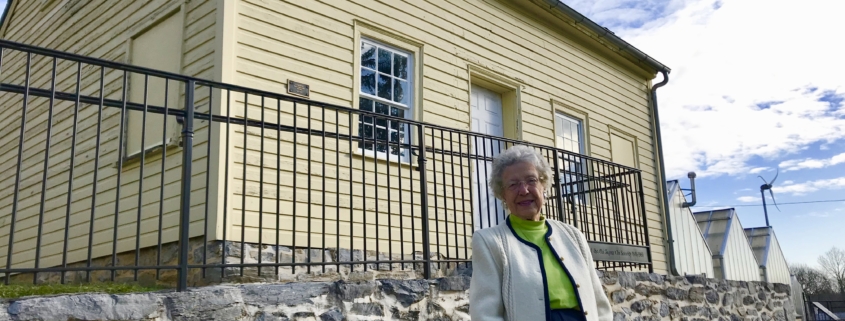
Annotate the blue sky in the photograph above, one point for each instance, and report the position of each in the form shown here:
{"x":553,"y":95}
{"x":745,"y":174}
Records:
{"x":756,"y":85}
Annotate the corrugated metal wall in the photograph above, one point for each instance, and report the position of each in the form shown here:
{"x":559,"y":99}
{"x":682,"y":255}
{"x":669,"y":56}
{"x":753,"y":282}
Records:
{"x":777,"y":269}
{"x":726,"y":238}
{"x":774,"y":268}
{"x":692,"y":256}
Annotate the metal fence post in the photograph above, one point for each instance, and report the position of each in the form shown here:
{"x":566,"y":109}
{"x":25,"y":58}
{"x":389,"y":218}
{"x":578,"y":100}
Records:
{"x":421,"y":160}
{"x":185,"y":197}
{"x":645,"y":219}
{"x":558,"y":189}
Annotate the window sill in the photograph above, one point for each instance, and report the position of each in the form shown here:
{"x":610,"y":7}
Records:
{"x":150,"y":151}
{"x":381,"y":158}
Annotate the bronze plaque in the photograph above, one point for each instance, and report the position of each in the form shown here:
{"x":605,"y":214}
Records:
{"x":618,"y":252}
{"x":298,"y":88}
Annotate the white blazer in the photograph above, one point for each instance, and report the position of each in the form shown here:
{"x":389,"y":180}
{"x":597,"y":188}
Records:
{"x":507,"y":279}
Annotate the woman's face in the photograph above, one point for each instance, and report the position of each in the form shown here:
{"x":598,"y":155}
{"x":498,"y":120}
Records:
{"x":523,"y":192}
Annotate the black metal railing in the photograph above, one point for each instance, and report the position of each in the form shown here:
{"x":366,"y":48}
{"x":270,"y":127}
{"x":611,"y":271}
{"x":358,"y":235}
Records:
{"x":824,"y":307}
{"x":116,"y":172}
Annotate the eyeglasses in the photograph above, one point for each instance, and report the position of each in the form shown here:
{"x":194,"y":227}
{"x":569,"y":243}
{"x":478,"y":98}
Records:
{"x":530,"y":183}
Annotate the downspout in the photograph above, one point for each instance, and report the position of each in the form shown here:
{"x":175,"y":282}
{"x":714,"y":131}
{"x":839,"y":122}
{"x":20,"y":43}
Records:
{"x":670,"y":241}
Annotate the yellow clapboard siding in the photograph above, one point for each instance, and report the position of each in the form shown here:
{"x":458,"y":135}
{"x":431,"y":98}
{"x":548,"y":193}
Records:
{"x":99,"y":31}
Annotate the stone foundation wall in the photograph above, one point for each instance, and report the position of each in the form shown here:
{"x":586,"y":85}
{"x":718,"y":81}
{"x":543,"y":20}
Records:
{"x":644,"y":296}
{"x":363,"y":296}
{"x":248,"y":253}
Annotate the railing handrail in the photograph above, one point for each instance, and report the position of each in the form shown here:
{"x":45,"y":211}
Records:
{"x":588,"y":178}
{"x":246,"y":90}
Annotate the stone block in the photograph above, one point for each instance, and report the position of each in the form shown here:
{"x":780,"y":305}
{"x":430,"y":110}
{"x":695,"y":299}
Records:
{"x":454,"y":283}
{"x":712,"y":296}
{"x":696,"y":294}
{"x":367,"y":309}
{"x":87,"y":307}
{"x":676,"y":293}
{"x":646,"y":290}
{"x":618,"y":296}
{"x":690,"y":310}
{"x":728,"y":300}
{"x":664,"y":309}
{"x":781,"y":288}
{"x":291,"y":294}
{"x":696,"y":279}
{"x":407,"y":292}
{"x":218,"y":302}
{"x":610,"y":277}
{"x":348,"y":292}
{"x":641,"y":305}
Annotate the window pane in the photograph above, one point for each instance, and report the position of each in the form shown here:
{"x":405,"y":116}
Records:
{"x":381,"y":137}
{"x":385,"y":58}
{"x":400,"y":87}
{"x":368,"y":55}
{"x":366,"y":104}
{"x":384,"y":86}
{"x":382,"y":109}
{"x":400,"y":66}
{"x":368,"y":81}
{"x":381,"y":134}
{"x":567,"y":129}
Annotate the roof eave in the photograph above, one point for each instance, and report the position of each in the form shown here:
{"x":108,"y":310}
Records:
{"x":606,"y":34}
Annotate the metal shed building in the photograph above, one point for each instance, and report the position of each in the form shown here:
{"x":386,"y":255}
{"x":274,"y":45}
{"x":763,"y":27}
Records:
{"x":692,"y":255}
{"x":733,"y":258}
{"x":773,"y":266}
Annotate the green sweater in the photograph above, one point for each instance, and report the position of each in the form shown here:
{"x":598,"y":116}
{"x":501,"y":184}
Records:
{"x":561,"y":292}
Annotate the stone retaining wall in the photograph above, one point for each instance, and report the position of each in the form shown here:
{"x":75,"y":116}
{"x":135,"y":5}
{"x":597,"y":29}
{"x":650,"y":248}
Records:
{"x":248,"y":253}
{"x":635,"y":296}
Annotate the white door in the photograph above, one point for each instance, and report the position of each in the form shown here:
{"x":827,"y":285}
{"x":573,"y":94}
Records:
{"x":486,"y":112}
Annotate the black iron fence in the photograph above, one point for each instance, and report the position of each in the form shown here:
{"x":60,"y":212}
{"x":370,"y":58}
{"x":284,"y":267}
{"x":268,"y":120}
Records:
{"x":114,"y":172}
{"x":824,"y":307}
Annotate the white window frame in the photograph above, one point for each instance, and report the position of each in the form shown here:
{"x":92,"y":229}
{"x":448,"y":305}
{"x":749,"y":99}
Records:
{"x":407,"y":108}
{"x":580,"y":166}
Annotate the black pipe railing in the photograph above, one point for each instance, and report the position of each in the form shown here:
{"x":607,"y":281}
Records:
{"x":303,"y":184}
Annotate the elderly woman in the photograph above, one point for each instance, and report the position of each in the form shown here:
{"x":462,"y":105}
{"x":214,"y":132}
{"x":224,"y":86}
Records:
{"x":529,"y":267}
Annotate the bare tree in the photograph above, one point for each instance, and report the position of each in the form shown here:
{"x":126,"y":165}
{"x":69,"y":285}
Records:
{"x":833,"y":263}
{"x":813,"y":280}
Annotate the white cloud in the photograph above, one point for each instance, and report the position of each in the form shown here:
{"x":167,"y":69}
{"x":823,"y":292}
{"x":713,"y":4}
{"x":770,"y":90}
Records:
{"x":814,"y":214}
{"x":743,"y":190}
{"x":758,"y":170}
{"x":730,"y":59}
{"x":788,"y":182}
{"x":811,"y":186}
{"x":748,"y":199}
{"x":811,"y":163}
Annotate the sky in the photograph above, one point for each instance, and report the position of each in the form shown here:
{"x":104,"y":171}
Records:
{"x":757,"y":88}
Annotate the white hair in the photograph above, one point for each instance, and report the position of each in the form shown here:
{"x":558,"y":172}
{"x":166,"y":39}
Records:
{"x":515,"y":155}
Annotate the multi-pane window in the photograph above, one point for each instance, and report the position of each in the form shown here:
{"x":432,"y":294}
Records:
{"x":386,"y":87}
{"x":570,"y":137}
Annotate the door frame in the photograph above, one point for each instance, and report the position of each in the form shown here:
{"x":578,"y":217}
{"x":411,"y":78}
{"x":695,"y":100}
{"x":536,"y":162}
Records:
{"x":508,"y":87}
{"x":510,"y":90}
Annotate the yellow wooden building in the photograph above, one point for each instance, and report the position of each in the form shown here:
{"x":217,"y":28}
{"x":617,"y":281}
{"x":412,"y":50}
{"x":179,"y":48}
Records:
{"x":527,"y":70}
